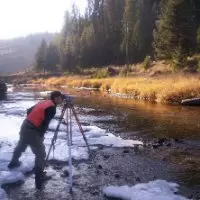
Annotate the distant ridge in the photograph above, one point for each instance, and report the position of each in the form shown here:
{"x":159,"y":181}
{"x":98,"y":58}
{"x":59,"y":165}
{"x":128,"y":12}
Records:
{"x":18,"y":54}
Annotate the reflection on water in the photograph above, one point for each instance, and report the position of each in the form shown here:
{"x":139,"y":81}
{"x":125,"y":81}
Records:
{"x":152,"y":119}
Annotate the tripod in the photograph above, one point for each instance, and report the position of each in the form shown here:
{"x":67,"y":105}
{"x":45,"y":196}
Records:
{"x":68,"y":108}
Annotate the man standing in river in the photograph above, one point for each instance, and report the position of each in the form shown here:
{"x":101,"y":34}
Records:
{"x":32,"y":134}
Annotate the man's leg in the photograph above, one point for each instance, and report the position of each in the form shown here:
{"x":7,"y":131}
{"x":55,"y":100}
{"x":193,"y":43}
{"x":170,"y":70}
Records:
{"x":38,"y":149}
{"x":19,"y":149}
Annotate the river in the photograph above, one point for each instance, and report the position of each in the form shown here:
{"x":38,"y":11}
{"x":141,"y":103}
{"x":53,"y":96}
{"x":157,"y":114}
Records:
{"x":170,"y":150}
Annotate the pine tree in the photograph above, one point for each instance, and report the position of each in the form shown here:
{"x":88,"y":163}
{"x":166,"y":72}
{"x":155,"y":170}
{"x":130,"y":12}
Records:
{"x":52,"y":58}
{"x":198,"y":39}
{"x":129,"y":23}
{"x":138,"y":25}
{"x":126,"y":31}
{"x":86,"y":47}
{"x":40,"y":57}
{"x":175,"y":34}
{"x":113,"y":22}
{"x":70,"y":41}
{"x":145,"y":27}
{"x":197,"y":13}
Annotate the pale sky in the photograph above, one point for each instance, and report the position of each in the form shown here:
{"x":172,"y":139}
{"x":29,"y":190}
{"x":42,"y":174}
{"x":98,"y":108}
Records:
{"x":23,"y":17}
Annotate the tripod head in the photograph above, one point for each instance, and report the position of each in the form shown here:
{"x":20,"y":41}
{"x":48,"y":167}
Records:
{"x":67,"y":101}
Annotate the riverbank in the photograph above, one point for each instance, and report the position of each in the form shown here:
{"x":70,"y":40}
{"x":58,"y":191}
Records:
{"x":170,"y":89}
{"x":158,"y":83}
{"x":116,"y":167}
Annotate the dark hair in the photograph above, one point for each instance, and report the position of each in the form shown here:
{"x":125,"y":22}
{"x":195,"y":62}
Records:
{"x":55,"y":94}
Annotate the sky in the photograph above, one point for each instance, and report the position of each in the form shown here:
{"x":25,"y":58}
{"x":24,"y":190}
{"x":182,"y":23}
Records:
{"x":24,"y":17}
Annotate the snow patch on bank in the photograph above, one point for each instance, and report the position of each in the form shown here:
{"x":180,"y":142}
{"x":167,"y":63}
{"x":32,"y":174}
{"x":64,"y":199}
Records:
{"x":154,"y":190}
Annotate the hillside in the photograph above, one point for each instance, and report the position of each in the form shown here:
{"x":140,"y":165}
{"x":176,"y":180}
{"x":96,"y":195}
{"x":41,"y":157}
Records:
{"x":18,"y":54}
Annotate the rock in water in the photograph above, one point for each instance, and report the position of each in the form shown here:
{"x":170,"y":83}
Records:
{"x":65,"y":173}
{"x":3,"y":90}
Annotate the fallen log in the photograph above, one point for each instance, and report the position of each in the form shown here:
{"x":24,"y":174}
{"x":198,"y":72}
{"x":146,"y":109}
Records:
{"x":191,"y":102}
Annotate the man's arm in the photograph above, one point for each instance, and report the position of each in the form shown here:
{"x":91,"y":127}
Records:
{"x":29,"y":110}
{"x":49,"y":115}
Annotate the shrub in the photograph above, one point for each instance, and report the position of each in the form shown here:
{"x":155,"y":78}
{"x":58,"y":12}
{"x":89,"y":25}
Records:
{"x":102,"y":73}
{"x":198,"y":67}
{"x":125,"y":71}
{"x":147,"y":62}
{"x":179,"y":59}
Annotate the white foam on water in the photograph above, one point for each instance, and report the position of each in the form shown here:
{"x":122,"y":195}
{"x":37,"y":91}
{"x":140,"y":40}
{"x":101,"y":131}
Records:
{"x":154,"y":190}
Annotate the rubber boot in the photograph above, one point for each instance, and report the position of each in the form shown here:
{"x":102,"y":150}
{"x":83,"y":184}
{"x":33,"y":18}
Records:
{"x":13,"y":164}
{"x":40,"y":178}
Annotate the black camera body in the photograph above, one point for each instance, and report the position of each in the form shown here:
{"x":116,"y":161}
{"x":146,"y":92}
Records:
{"x":67,"y":100}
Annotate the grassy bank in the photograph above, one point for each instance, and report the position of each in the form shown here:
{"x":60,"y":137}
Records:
{"x":165,"y":89}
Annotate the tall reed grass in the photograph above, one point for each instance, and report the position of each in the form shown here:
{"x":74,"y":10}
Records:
{"x":165,"y":89}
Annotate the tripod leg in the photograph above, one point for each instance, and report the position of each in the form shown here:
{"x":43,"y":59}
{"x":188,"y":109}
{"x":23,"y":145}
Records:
{"x":51,"y":146}
{"x":84,"y":137}
{"x":70,"y":123}
{"x":67,"y":123}
{"x":81,"y":129}
{"x":56,"y":133}
{"x":69,"y":141}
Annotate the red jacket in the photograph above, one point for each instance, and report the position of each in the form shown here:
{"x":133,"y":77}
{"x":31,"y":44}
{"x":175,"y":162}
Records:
{"x":38,"y":115}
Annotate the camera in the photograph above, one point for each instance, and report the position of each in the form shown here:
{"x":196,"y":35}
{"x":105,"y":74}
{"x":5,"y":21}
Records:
{"x":67,"y":100}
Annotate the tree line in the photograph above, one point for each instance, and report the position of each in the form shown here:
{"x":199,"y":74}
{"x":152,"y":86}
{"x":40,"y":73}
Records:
{"x":118,"y":32}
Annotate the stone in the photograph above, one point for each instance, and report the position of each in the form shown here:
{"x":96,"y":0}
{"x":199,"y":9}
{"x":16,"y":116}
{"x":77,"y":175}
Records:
{"x":155,"y":146}
{"x":100,"y":167}
{"x":106,"y":157}
{"x":125,"y":151}
{"x":65,"y":173}
{"x":105,"y":173}
{"x":117,"y":176}
{"x":137,"y":179}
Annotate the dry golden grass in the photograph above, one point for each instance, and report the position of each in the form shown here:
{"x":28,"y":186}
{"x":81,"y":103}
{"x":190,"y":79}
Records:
{"x":165,"y":89}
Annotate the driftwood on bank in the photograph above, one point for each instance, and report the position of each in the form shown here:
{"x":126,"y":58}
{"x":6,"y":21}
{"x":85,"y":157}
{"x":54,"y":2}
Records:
{"x":191,"y":102}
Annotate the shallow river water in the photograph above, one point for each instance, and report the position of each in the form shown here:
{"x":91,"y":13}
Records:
{"x":139,"y":144}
